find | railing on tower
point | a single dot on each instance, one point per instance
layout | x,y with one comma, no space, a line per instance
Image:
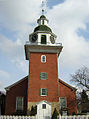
47,43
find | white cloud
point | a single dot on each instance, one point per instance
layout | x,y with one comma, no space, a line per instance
10,47
21,64
17,17
4,76
66,19
14,50
4,73
17,12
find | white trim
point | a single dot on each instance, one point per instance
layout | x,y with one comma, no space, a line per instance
41,39
43,106
41,91
42,58
42,48
43,101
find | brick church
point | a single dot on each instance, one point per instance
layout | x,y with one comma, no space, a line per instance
42,87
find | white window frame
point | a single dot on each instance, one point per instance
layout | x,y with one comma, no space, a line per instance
22,106
41,92
42,58
43,107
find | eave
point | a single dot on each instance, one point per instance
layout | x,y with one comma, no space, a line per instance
42,48
8,88
69,86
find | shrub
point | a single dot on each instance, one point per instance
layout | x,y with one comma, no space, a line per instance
55,114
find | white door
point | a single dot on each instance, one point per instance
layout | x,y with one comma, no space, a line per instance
44,111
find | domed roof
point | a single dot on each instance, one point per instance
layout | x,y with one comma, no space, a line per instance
42,16
42,28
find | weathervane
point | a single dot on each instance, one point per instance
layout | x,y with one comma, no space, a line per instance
43,6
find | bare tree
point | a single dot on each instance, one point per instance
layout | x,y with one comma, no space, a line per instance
81,77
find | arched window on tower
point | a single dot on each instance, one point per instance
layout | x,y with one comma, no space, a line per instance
43,58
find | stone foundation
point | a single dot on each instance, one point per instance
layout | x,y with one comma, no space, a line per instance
54,105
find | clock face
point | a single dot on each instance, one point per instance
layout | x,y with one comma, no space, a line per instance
52,39
34,37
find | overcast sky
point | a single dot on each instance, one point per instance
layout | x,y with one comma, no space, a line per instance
69,20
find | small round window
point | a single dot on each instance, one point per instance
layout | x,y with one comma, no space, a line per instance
43,58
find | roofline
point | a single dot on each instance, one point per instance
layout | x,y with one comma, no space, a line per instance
56,49
44,32
44,101
7,88
66,84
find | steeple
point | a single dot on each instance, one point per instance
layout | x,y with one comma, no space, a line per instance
42,38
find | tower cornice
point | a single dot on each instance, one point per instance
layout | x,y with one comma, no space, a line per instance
42,48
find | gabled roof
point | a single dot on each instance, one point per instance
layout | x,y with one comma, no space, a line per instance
61,81
44,101
7,88
69,86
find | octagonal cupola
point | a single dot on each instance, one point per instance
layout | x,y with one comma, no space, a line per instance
42,34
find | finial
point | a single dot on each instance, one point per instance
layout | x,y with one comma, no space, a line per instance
42,11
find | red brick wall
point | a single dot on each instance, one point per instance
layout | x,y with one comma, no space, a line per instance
18,90
70,96
35,67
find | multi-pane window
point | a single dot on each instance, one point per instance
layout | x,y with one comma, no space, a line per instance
63,103
43,58
43,106
19,103
43,92
43,39
43,75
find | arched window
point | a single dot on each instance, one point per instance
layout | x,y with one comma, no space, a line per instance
43,58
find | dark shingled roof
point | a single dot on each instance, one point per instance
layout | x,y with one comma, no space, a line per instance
42,28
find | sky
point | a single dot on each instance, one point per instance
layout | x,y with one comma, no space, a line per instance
68,19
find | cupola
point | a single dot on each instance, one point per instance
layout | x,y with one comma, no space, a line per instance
42,34
42,39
